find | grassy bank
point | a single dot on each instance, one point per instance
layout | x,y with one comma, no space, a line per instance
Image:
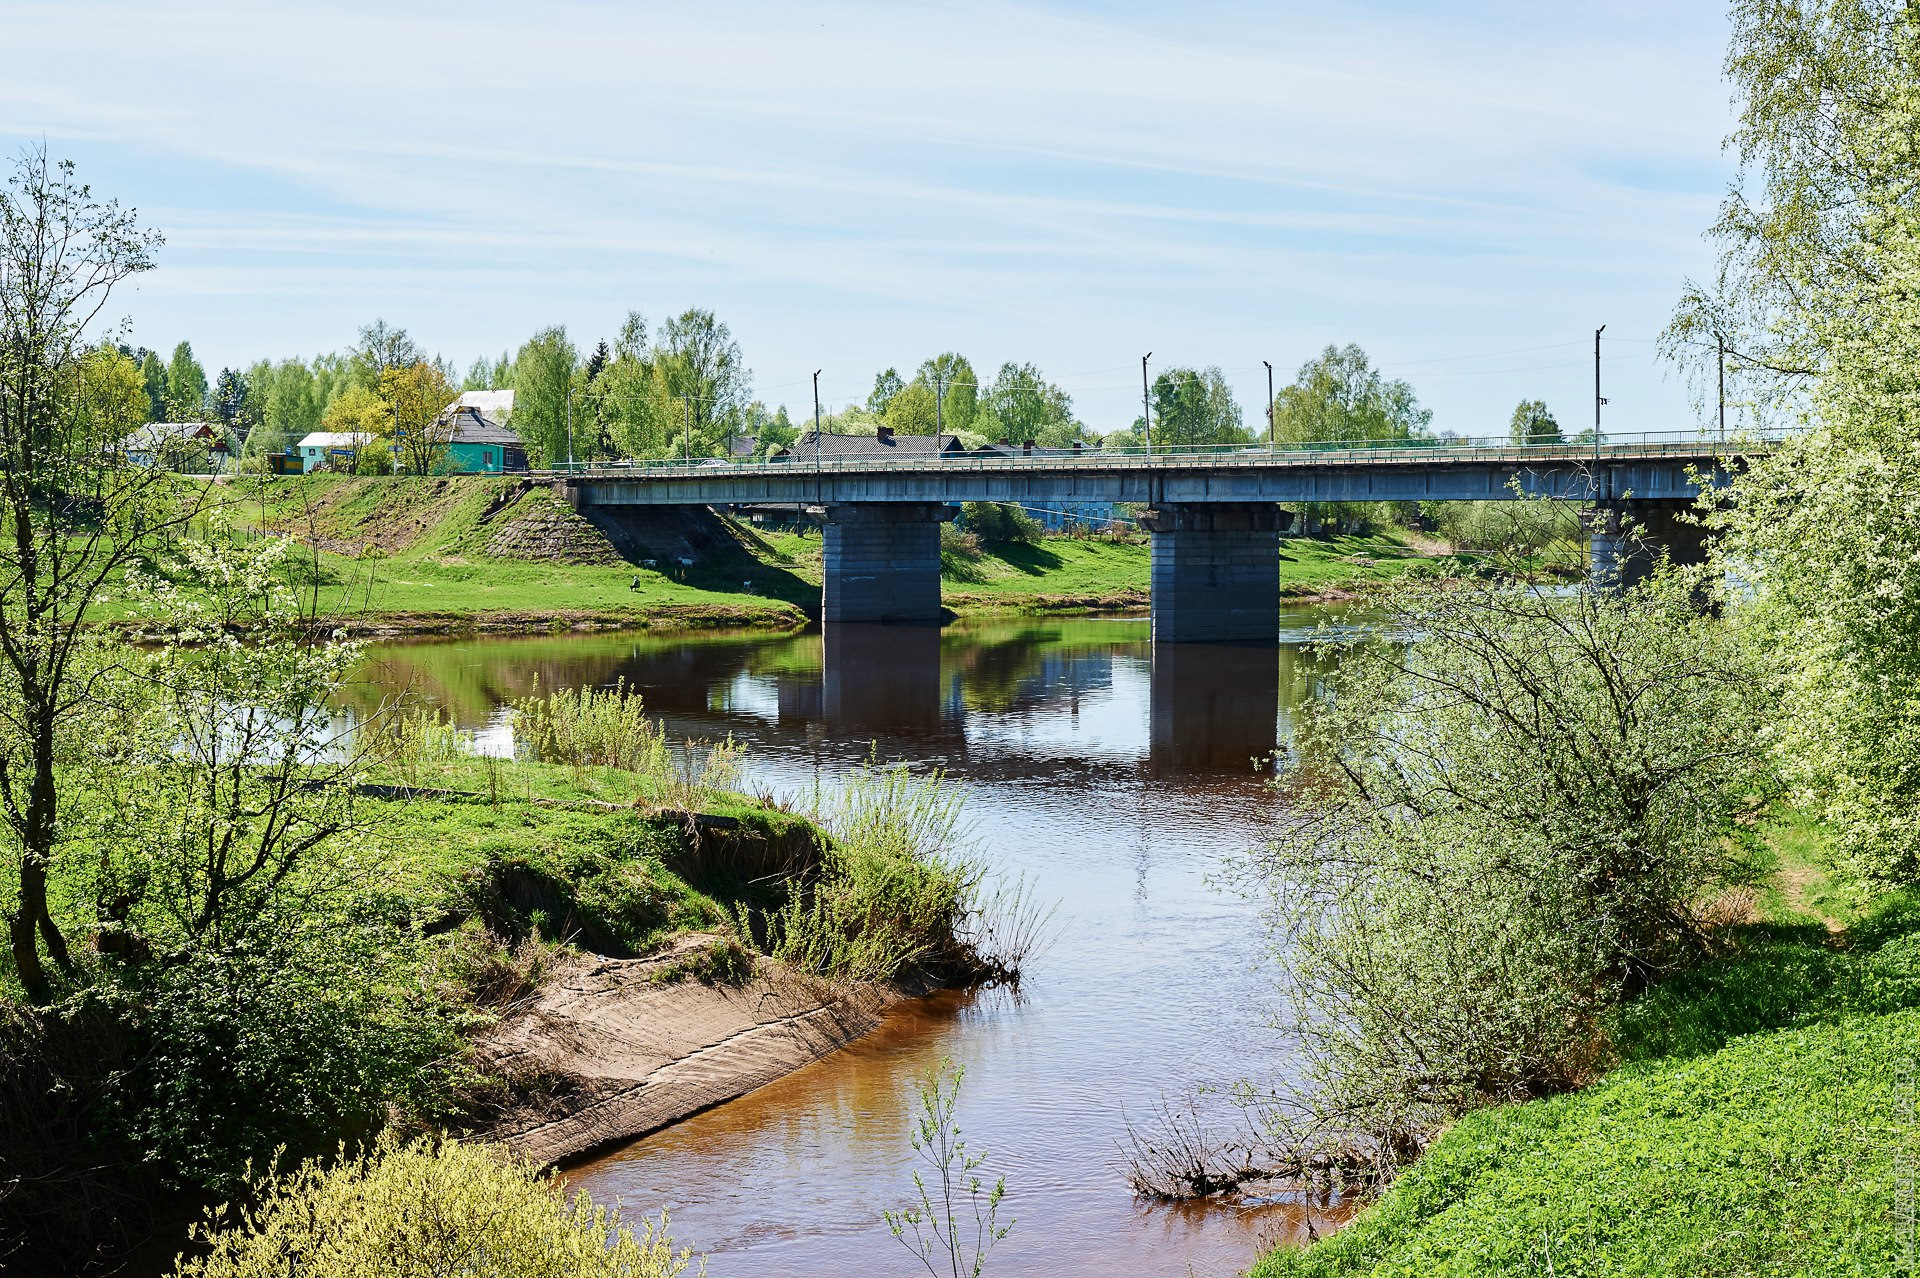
1754,1124
342,989
394,555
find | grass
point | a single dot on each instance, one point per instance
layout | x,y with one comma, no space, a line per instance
417,554
1752,1127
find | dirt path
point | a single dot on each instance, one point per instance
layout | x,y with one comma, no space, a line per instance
632,1051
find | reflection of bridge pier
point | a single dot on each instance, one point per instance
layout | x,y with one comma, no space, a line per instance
881,677
1215,707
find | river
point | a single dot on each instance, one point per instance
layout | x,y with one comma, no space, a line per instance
1118,780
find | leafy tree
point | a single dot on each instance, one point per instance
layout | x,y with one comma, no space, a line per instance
542,377
232,404
186,386
112,393
153,374
1193,406
416,397
1023,405
913,411
1513,820
76,514
885,386
1340,397
949,379
285,398
382,348
1533,424
357,410
479,375
698,363
1824,88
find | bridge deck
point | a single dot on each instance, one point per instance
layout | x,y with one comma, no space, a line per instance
1651,470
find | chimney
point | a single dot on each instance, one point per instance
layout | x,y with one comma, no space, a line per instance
1027,446
884,434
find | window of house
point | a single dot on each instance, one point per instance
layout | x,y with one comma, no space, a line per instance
486,457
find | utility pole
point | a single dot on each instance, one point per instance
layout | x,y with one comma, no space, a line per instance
1721,338
569,427
1146,404
816,419
1273,439
1598,401
939,402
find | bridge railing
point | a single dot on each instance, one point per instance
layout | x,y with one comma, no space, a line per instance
1573,451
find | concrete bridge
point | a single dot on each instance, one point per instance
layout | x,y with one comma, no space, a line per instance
1212,513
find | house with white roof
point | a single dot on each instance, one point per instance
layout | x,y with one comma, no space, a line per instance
335,448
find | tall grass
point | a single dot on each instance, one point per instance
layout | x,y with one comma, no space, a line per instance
609,728
412,739
591,728
899,892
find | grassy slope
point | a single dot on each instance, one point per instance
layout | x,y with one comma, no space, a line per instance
415,551
1753,1129
428,558
568,823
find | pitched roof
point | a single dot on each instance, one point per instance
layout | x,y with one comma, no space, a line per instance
159,434
872,446
336,439
497,404
472,426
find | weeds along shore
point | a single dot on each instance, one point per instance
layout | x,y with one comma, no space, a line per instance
315,942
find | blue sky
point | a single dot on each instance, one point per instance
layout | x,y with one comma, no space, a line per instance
1466,190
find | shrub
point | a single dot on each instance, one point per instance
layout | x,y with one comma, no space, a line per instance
592,727
423,1210
894,889
999,522
1516,818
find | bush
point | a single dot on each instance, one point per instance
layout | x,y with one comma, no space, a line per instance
894,891
291,1041
1516,821
999,522
423,1210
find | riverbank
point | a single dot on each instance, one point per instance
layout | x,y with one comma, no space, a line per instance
1753,1124
622,1048
454,935
479,554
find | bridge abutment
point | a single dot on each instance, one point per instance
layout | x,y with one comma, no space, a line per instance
1625,540
881,561
1216,572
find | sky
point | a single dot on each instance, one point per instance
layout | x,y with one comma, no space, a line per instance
1467,190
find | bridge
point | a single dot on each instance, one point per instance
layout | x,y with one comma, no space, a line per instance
1212,513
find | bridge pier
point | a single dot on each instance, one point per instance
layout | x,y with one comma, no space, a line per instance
881,561
1216,571
1625,539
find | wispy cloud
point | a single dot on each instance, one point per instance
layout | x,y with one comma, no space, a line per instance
860,184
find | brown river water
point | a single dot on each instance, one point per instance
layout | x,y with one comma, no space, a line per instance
1120,780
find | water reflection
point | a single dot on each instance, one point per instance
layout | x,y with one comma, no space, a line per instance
1215,708
881,678
1117,779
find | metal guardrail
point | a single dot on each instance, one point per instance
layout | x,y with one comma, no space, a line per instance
1646,445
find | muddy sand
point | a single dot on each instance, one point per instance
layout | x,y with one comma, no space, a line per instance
622,1050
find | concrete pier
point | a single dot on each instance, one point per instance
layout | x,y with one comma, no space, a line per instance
1626,539
1216,572
881,561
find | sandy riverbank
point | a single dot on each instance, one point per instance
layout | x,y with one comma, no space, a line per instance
624,1047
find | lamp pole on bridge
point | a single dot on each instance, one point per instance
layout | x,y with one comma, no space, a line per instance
1273,440
1598,400
1146,405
